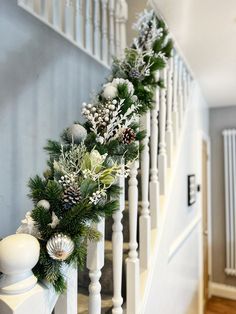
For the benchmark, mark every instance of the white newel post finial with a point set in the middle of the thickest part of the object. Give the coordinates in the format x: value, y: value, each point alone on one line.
x: 19, y: 253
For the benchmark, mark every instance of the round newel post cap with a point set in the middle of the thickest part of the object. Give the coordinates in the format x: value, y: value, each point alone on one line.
x: 19, y: 253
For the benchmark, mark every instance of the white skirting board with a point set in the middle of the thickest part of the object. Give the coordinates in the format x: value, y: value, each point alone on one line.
x: 223, y: 291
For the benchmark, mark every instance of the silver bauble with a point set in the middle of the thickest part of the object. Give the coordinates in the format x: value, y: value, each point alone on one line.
x: 60, y: 247
x: 77, y: 133
x: 44, y: 203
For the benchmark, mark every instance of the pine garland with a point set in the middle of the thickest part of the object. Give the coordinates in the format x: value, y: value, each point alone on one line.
x: 79, y: 186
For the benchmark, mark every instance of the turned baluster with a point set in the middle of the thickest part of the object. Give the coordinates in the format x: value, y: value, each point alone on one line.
x: 56, y: 14
x: 144, y: 220
x: 112, y: 29
x: 69, y: 18
x: 180, y: 92
x: 185, y: 92
x: 97, y: 29
x: 175, y: 113
x: 117, y: 249
x: 169, y: 124
x: 117, y: 23
x: 123, y: 22
x: 95, y: 262
x: 162, y: 161
x: 154, y: 182
x: 88, y: 26
x: 132, y: 262
x: 79, y: 22
x: 104, y: 31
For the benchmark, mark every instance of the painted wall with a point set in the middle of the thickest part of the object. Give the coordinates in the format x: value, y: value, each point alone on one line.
x: 220, y: 118
x: 43, y: 80
x: 178, y: 274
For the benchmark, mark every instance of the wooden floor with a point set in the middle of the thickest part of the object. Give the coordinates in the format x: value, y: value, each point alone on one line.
x: 220, y: 306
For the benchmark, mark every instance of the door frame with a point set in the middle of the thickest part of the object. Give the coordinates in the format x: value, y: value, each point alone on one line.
x: 205, y: 137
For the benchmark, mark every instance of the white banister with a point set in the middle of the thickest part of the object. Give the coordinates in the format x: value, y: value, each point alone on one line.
x: 79, y: 22
x: 97, y: 29
x: 88, y: 26
x: 117, y: 23
x: 117, y: 250
x: 169, y: 124
x: 57, y: 14
x: 123, y: 21
x: 132, y: 262
x: 112, y: 29
x: 144, y: 220
x: 67, y: 302
x: 104, y: 31
x: 95, y: 262
x: 69, y: 18
x: 180, y: 92
x: 154, y: 183
x: 185, y: 95
x: 162, y: 161
x: 175, y: 114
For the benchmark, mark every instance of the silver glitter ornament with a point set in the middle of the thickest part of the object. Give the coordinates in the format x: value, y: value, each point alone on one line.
x: 60, y: 247
x: 77, y: 133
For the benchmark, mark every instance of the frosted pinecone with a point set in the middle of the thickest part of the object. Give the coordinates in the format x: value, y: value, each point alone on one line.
x: 71, y: 197
x: 128, y: 136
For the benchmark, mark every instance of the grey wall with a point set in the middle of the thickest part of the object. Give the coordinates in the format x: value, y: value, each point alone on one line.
x: 43, y: 80
x: 220, y: 118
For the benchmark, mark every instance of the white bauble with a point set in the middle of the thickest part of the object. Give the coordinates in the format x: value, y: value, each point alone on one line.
x: 77, y: 133
x: 109, y: 92
x: 44, y: 203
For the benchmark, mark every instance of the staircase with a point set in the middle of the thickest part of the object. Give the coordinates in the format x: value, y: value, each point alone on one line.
x: 120, y: 266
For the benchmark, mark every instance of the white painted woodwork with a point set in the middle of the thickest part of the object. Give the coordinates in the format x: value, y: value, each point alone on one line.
x: 69, y: 18
x: 175, y: 114
x: 97, y: 29
x: 104, y: 31
x: 117, y: 27
x: 57, y: 14
x: 117, y: 251
x: 79, y: 22
x: 162, y: 158
x: 95, y: 262
x: 123, y: 21
x: 154, y: 182
x: 169, y: 124
x: 132, y: 262
x: 185, y: 91
x: 180, y: 92
x: 67, y: 302
x: 111, y: 8
x: 88, y: 26
x: 144, y: 220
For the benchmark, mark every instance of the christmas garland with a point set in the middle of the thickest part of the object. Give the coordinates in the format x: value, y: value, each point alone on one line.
x: 79, y: 186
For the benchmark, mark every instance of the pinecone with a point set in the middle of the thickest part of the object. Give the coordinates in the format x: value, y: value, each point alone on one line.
x: 71, y: 197
x: 128, y: 136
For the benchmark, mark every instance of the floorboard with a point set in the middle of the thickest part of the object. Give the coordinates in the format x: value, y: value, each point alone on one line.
x: 220, y: 306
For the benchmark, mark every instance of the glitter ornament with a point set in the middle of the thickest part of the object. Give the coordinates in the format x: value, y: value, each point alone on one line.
x: 44, y: 203
x: 60, y: 247
x: 76, y: 133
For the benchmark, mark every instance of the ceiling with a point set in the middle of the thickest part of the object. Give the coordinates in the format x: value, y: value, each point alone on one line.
x: 205, y: 31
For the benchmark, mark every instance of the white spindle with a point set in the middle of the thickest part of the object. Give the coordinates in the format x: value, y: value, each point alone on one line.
x: 30, y: 4
x: 123, y: 21
x: 56, y: 14
x: 97, y: 29
x: 44, y: 9
x: 144, y: 220
x: 79, y: 22
x: 180, y: 92
x: 112, y: 29
x: 67, y: 302
x: 132, y: 262
x: 104, y: 31
x: 117, y: 250
x: 162, y: 162
x: 154, y: 183
x: 95, y: 262
x: 88, y: 26
x: 169, y: 124
x: 175, y: 114
x: 69, y: 18
x: 37, y: 6
x: 185, y: 92
x: 117, y: 22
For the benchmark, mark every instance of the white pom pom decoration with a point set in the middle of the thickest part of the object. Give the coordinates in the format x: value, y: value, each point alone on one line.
x: 44, y: 203
x: 77, y: 133
x: 109, y: 92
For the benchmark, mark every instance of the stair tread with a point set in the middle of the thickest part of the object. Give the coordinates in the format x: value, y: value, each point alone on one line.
x: 83, y: 299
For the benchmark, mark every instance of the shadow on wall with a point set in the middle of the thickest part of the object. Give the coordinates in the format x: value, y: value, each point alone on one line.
x: 43, y: 81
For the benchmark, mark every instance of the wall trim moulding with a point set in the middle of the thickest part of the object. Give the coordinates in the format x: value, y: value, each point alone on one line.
x: 223, y: 291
